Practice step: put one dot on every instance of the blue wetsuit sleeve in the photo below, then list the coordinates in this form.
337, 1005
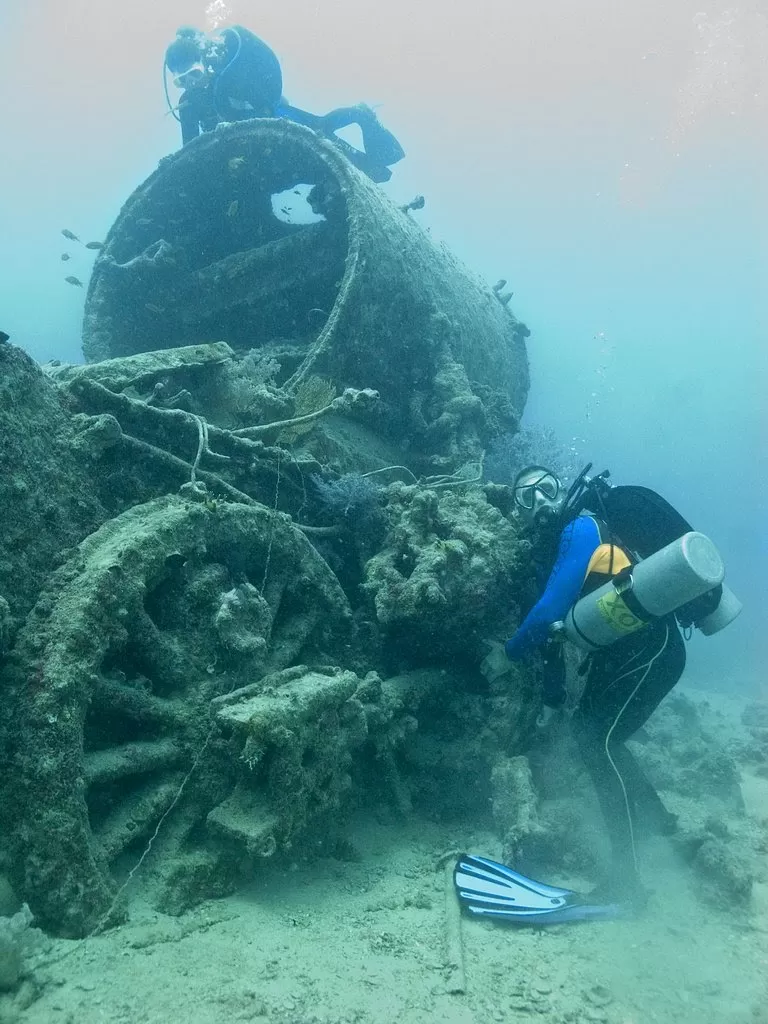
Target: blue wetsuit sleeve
578, 542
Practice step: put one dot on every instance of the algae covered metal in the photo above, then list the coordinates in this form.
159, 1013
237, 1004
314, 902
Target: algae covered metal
154, 618
268, 559
341, 282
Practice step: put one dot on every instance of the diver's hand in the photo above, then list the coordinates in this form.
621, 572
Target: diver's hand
496, 663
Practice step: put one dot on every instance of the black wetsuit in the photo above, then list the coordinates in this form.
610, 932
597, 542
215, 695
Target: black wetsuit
247, 82
380, 147
625, 684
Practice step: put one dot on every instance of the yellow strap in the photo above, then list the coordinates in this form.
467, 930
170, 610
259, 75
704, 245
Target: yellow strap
601, 560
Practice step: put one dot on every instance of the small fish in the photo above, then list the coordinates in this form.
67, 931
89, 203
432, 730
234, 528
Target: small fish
236, 163
74, 280
94, 245
232, 208
70, 235
153, 308
285, 209
65, 256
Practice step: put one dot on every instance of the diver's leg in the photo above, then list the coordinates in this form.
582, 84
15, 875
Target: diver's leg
665, 673
340, 117
380, 145
590, 735
648, 808
624, 686
299, 116
375, 171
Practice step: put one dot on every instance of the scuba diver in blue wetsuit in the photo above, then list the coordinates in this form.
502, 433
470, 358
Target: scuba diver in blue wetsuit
238, 77
627, 569
625, 683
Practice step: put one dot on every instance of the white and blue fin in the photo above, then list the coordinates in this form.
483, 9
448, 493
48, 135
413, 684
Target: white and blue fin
488, 889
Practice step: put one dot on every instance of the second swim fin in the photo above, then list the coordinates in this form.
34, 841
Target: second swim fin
488, 889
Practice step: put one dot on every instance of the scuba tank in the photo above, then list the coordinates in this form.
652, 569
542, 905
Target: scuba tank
662, 583
676, 571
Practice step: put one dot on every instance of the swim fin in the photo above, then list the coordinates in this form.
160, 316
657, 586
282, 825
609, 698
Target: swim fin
488, 889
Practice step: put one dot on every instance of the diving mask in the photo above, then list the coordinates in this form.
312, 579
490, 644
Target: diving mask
538, 494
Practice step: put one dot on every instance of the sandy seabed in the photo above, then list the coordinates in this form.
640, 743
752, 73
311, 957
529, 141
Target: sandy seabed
363, 942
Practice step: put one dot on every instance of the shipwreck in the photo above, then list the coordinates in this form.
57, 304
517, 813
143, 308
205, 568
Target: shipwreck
248, 555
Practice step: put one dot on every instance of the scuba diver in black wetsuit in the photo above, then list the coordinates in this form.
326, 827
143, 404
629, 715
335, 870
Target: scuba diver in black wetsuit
239, 77
610, 543
232, 80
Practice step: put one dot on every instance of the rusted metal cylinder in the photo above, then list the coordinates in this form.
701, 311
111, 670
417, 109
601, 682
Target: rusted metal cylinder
211, 248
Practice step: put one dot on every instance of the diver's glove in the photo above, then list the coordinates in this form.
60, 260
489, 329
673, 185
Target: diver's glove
496, 663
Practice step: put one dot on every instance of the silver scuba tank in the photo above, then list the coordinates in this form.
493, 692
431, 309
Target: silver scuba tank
728, 607
671, 577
